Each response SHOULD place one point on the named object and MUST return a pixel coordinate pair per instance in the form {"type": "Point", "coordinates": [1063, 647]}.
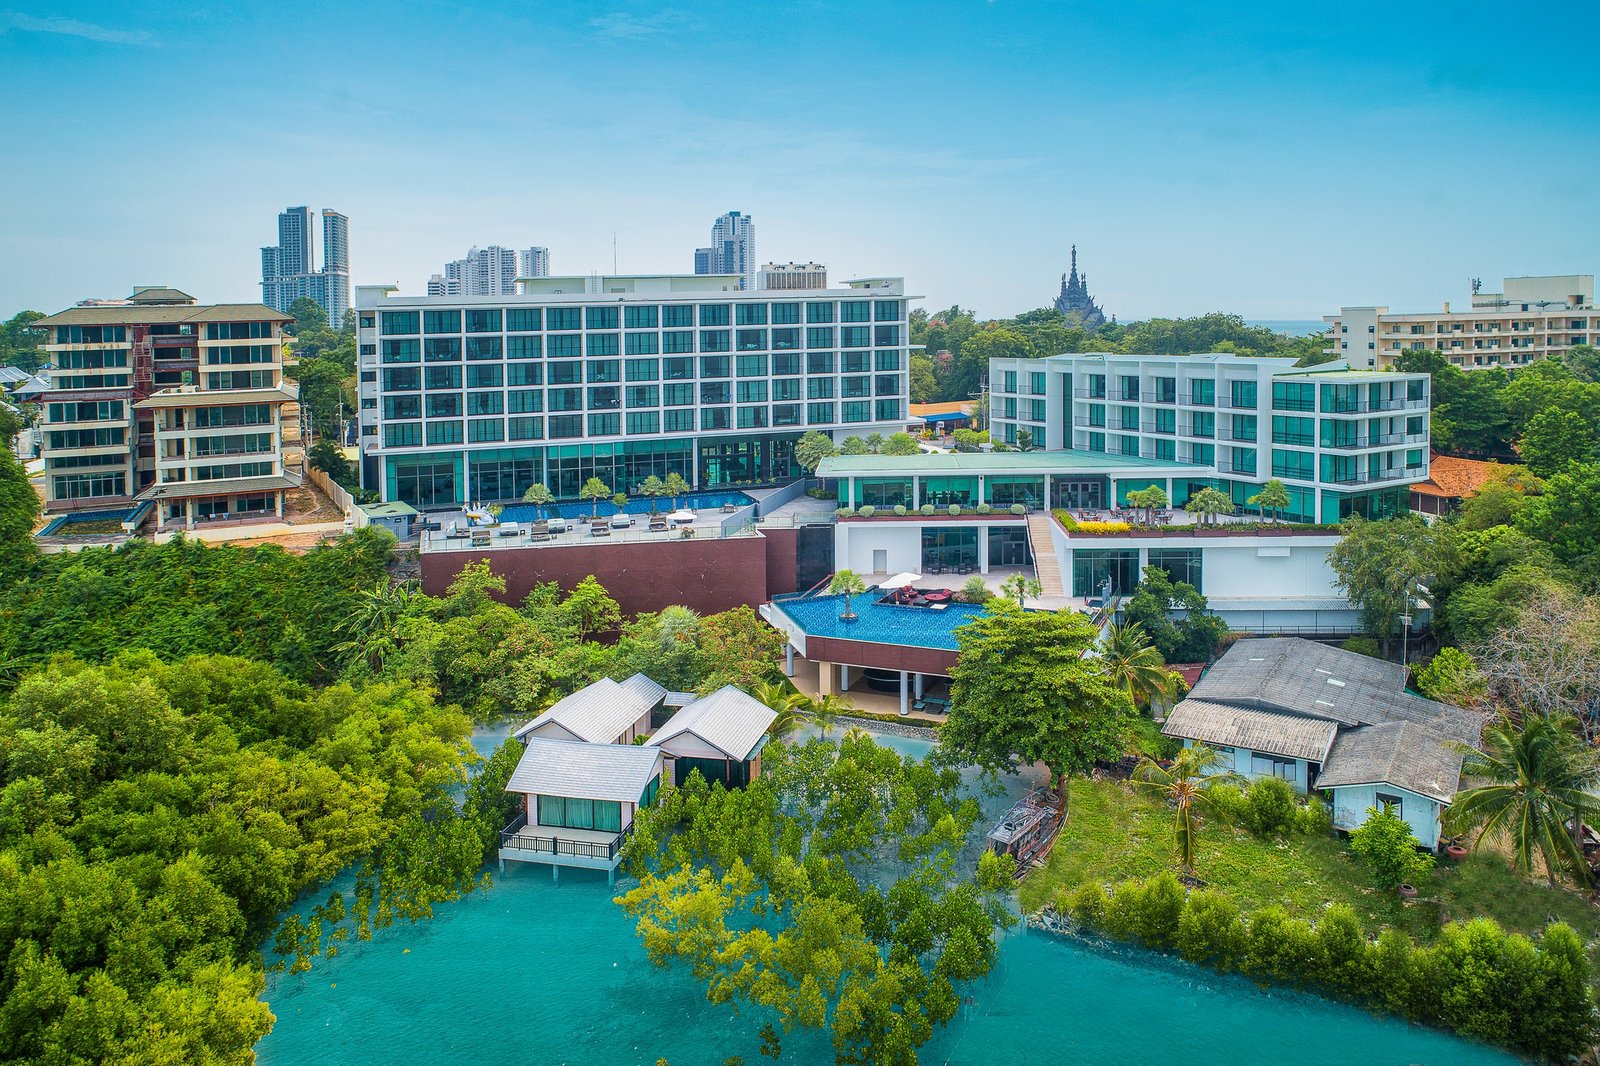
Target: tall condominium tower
{"type": "Point", "coordinates": [536, 262]}
{"type": "Point", "coordinates": [732, 251]}
{"type": "Point", "coordinates": [288, 268]}
{"type": "Point", "coordinates": [491, 271]}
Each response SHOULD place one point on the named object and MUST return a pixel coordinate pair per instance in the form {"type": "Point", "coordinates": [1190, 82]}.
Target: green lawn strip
{"type": "Point", "coordinates": [1116, 832]}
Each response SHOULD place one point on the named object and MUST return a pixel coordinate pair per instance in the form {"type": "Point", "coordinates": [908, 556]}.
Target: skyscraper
{"type": "Point", "coordinates": [287, 268]}
{"type": "Point", "coordinates": [536, 263]}
{"type": "Point", "coordinates": [732, 251]}
{"type": "Point", "coordinates": [491, 271]}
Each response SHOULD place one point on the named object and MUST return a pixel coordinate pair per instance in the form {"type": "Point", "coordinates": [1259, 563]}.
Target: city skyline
{"type": "Point", "coordinates": [1249, 159]}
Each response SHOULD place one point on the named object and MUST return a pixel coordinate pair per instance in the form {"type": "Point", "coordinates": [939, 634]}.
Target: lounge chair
{"type": "Point", "coordinates": [658, 525]}
{"type": "Point", "coordinates": [599, 529]}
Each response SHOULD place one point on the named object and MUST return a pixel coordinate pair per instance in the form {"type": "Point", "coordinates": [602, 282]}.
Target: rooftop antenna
{"type": "Point", "coordinates": [1477, 285]}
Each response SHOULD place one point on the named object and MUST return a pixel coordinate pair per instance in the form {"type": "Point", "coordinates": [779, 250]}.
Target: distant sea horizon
{"type": "Point", "coordinates": [1293, 327]}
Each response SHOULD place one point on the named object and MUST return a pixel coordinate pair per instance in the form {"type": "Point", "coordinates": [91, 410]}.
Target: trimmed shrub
{"type": "Point", "coordinates": [926, 508]}
{"type": "Point", "coordinates": [1103, 529]}
{"type": "Point", "coordinates": [984, 508]}
{"type": "Point", "coordinates": [900, 510]}
{"type": "Point", "coordinates": [1063, 516]}
{"type": "Point", "coordinates": [1269, 806]}
{"type": "Point", "coordinates": [1018, 508]}
{"type": "Point", "coordinates": [1210, 933]}
{"type": "Point", "coordinates": [866, 510]}
{"type": "Point", "coordinates": [955, 508]}
{"type": "Point", "coordinates": [1533, 997]}
{"type": "Point", "coordinates": [846, 512]}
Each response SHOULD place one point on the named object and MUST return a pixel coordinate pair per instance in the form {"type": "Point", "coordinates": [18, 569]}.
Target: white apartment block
{"type": "Point", "coordinates": [792, 276]}
{"type": "Point", "coordinates": [159, 399]}
{"type": "Point", "coordinates": [535, 263]}
{"type": "Point", "coordinates": [472, 399]}
{"type": "Point", "coordinates": [1342, 441]}
{"type": "Point", "coordinates": [1531, 319]}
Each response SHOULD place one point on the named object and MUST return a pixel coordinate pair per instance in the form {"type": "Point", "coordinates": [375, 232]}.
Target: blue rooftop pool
{"type": "Point", "coordinates": [694, 501]}
{"type": "Point", "coordinates": [63, 526]}
{"type": "Point", "coordinates": [915, 627]}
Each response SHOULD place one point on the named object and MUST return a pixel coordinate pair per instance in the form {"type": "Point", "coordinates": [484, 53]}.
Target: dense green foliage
{"type": "Point", "coordinates": [1532, 997]}
{"type": "Point", "coordinates": [20, 340]}
{"type": "Point", "coordinates": [1386, 844]}
{"type": "Point", "coordinates": [959, 347]}
{"type": "Point", "coordinates": [774, 895]}
{"type": "Point", "coordinates": [1022, 691]}
{"type": "Point", "coordinates": [19, 512]}
{"type": "Point", "coordinates": [185, 598]}
{"type": "Point", "coordinates": [155, 820]}
{"type": "Point", "coordinates": [1188, 639]}
{"type": "Point", "coordinates": [325, 364]}
{"type": "Point", "coordinates": [1490, 413]}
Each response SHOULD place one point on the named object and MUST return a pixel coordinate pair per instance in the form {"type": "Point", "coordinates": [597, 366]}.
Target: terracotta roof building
{"type": "Point", "coordinates": [1450, 480]}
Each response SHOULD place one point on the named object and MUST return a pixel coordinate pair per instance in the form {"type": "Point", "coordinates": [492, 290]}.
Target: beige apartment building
{"type": "Point", "coordinates": [1529, 319]}
{"type": "Point", "coordinates": [163, 400]}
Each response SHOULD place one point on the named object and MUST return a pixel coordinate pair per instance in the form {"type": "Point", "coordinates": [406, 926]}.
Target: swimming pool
{"type": "Point", "coordinates": [63, 526]}
{"type": "Point", "coordinates": [916, 627]}
{"type": "Point", "coordinates": [694, 501]}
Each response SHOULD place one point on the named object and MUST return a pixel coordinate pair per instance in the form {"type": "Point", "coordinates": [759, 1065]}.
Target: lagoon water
{"type": "Point", "coordinates": [530, 971]}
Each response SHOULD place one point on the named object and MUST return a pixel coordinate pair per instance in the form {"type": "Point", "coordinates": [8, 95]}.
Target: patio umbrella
{"type": "Point", "coordinates": [899, 581]}
{"type": "Point", "coordinates": [681, 516]}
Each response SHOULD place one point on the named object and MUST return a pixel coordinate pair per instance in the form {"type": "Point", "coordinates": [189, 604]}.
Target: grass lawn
{"type": "Point", "coordinates": [1116, 832]}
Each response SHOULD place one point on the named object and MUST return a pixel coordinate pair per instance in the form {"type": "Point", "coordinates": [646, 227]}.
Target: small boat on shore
{"type": "Point", "coordinates": [1027, 831]}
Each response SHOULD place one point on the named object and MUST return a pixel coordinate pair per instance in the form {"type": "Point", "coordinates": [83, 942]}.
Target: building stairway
{"type": "Point", "coordinates": [1045, 564]}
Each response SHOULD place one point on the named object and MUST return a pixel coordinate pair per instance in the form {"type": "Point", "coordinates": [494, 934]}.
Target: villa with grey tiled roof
{"type": "Point", "coordinates": [1330, 721]}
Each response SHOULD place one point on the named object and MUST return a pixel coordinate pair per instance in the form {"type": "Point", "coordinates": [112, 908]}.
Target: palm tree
{"type": "Point", "coordinates": [788, 703]}
{"type": "Point", "coordinates": [824, 709]}
{"type": "Point", "coordinates": [1188, 784]}
{"type": "Point", "coordinates": [847, 583]}
{"type": "Point", "coordinates": [540, 496]}
{"type": "Point", "coordinates": [651, 488]}
{"type": "Point", "coordinates": [596, 490]}
{"type": "Point", "coordinates": [372, 629]}
{"type": "Point", "coordinates": [675, 486]}
{"type": "Point", "coordinates": [1272, 498]}
{"type": "Point", "coordinates": [1134, 664]}
{"type": "Point", "coordinates": [1149, 500]}
{"type": "Point", "coordinates": [1206, 504]}
{"type": "Point", "coordinates": [1020, 586]}
{"type": "Point", "coordinates": [1538, 777]}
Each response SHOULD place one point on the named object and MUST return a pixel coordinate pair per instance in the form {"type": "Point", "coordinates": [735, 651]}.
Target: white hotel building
{"type": "Point", "coordinates": [1531, 319]}
{"type": "Point", "coordinates": [472, 399]}
{"type": "Point", "coordinates": [1342, 441]}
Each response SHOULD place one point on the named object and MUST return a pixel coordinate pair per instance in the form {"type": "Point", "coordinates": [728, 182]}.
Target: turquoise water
{"type": "Point", "coordinates": [916, 627]}
{"type": "Point", "coordinates": [531, 971]}
{"type": "Point", "coordinates": [1293, 327]}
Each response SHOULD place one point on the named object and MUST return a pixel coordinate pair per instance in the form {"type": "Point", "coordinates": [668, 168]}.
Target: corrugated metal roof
{"type": "Point", "coordinates": [584, 771]}
{"type": "Point", "coordinates": [598, 713]}
{"type": "Point", "coordinates": [730, 720]}
{"type": "Point", "coordinates": [1395, 753]}
{"type": "Point", "coordinates": [1290, 735]}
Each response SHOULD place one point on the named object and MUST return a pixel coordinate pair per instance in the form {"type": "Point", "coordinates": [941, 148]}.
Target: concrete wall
{"type": "Point", "coordinates": [1257, 566]}
{"type": "Point", "coordinates": [707, 575]}
{"type": "Point", "coordinates": [1350, 806]}
{"type": "Point", "coordinates": [901, 542]}
{"type": "Point", "coordinates": [881, 656]}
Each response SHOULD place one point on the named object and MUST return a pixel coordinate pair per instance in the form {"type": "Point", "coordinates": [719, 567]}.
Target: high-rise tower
{"type": "Point", "coordinates": [732, 251]}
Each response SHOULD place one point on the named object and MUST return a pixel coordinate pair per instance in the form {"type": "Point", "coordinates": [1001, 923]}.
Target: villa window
{"type": "Point", "coordinates": [567, 813]}
{"type": "Point", "coordinates": [1264, 765]}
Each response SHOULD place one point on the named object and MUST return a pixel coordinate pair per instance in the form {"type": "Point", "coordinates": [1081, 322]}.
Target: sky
{"type": "Point", "coordinates": [1272, 160]}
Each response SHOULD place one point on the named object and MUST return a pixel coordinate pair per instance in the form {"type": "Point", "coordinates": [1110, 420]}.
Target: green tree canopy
{"type": "Point", "coordinates": [1379, 564]}
{"type": "Point", "coordinates": [1022, 691]}
{"type": "Point", "coordinates": [812, 448]}
{"type": "Point", "coordinates": [1190, 639]}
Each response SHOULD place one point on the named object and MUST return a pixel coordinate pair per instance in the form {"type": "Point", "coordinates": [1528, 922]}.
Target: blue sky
{"type": "Point", "coordinates": [1274, 160]}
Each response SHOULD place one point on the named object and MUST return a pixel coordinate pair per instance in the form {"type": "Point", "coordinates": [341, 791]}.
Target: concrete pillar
{"type": "Point", "coordinates": [188, 512]}
{"type": "Point", "coordinates": [788, 664]}
{"type": "Point", "coordinates": [844, 677]}
{"type": "Point", "coordinates": [905, 686]}
{"type": "Point", "coordinates": [824, 679]}
{"type": "Point", "coordinates": [277, 503]}
{"type": "Point", "coordinates": [983, 547]}
{"type": "Point", "coordinates": [917, 680]}
{"type": "Point", "coordinates": [916, 492]}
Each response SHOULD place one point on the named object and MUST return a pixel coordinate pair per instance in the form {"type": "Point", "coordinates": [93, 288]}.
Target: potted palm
{"type": "Point", "coordinates": [847, 583]}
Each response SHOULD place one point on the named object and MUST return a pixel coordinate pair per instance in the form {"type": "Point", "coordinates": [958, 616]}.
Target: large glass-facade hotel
{"type": "Point", "coordinates": [473, 399]}
{"type": "Point", "coordinates": [1342, 442]}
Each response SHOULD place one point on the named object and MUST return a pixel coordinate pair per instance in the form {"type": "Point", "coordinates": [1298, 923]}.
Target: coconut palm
{"type": "Point", "coordinates": [1135, 665]}
{"type": "Point", "coordinates": [675, 487]}
{"type": "Point", "coordinates": [372, 629]}
{"type": "Point", "coordinates": [847, 583]}
{"type": "Point", "coordinates": [1272, 498]}
{"type": "Point", "coordinates": [1539, 781]}
{"type": "Point", "coordinates": [1188, 783]}
{"type": "Point", "coordinates": [824, 709]}
{"type": "Point", "coordinates": [540, 496]}
{"type": "Point", "coordinates": [594, 490]}
{"type": "Point", "coordinates": [1149, 500]}
{"type": "Point", "coordinates": [651, 488]}
{"type": "Point", "coordinates": [1019, 587]}
{"type": "Point", "coordinates": [789, 704]}
{"type": "Point", "coordinates": [1206, 504]}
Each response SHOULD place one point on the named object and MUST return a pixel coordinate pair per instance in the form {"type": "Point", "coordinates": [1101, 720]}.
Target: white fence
{"type": "Point", "coordinates": [334, 490]}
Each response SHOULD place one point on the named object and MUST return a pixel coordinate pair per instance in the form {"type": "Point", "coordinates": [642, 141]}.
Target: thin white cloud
{"type": "Point", "coordinates": [621, 26]}
{"type": "Point", "coordinates": [13, 20]}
